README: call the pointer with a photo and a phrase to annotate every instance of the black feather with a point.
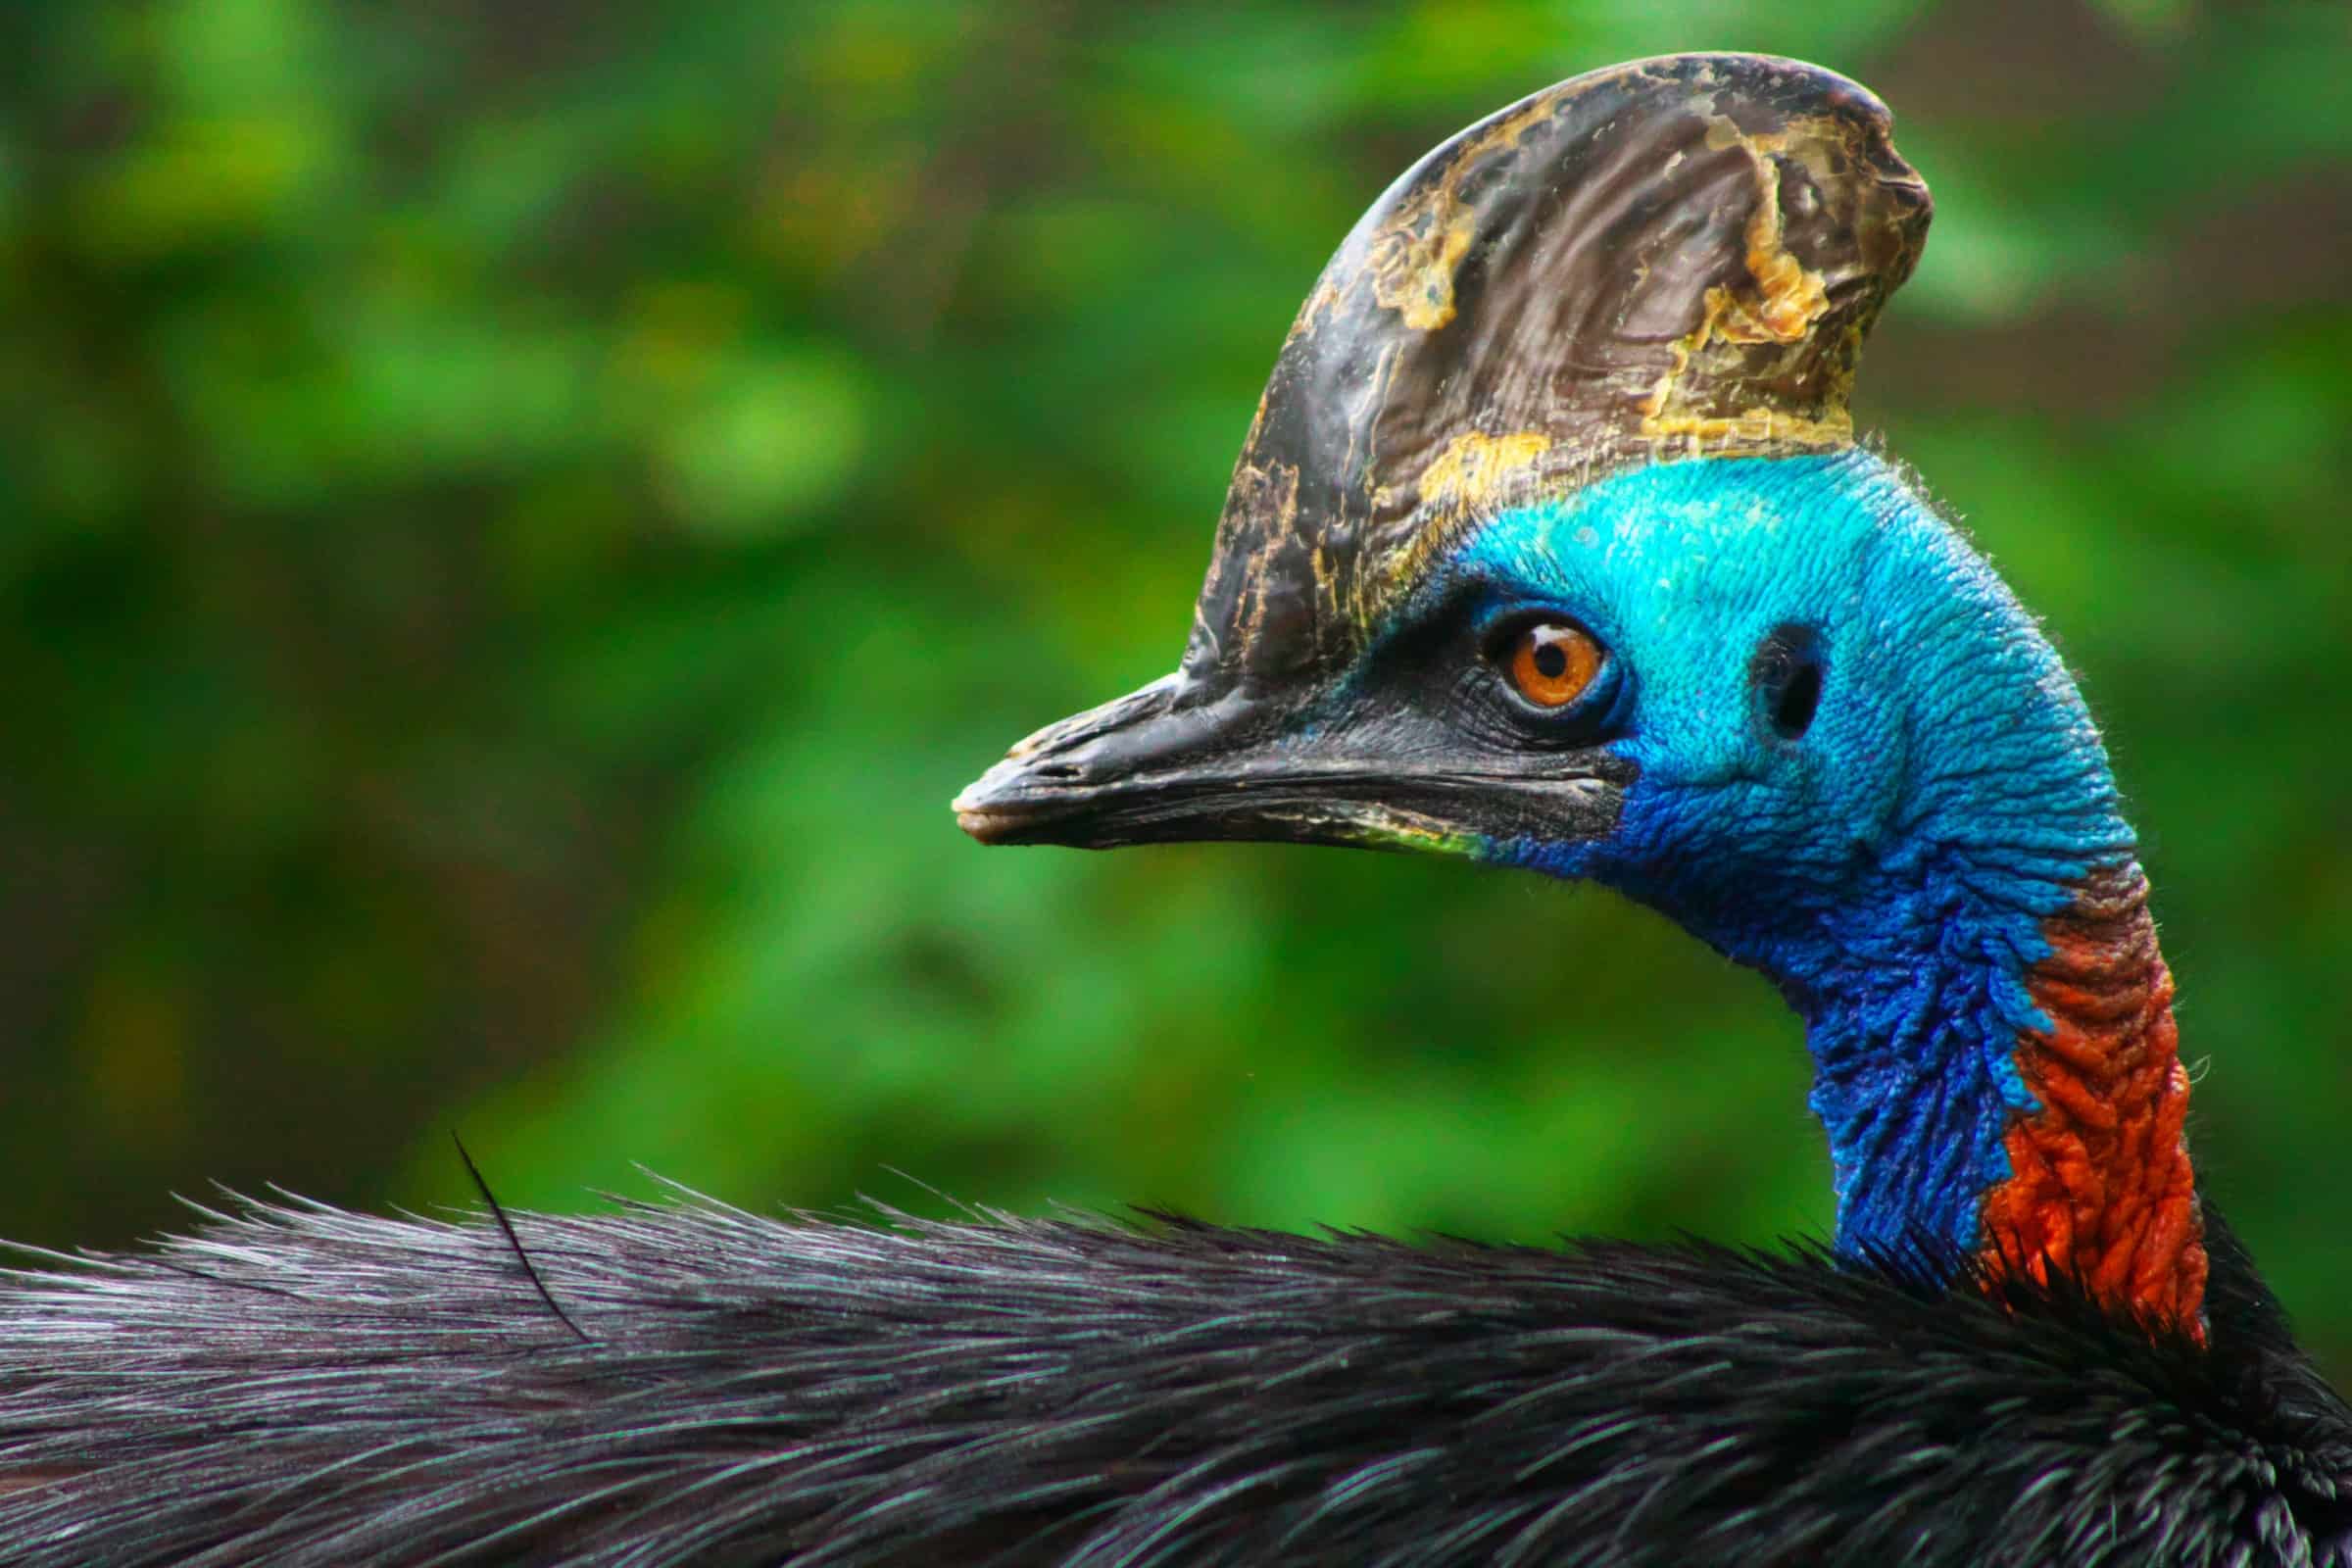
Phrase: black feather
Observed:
(505, 1227)
(299, 1386)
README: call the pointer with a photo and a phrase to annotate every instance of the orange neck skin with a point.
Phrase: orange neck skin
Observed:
(2101, 1186)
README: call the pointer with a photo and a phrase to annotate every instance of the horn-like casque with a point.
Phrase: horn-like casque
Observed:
(1670, 258)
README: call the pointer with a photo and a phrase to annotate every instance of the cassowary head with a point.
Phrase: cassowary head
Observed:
(1551, 545)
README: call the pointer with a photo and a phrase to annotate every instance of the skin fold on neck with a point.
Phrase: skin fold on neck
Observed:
(2026, 1106)
(2102, 1186)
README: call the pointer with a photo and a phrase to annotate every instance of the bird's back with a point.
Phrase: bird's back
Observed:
(311, 1387)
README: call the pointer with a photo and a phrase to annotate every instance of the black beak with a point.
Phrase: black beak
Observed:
(1152, 767)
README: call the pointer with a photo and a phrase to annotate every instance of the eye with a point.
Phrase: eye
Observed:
(1787, 674)
(1549, 663)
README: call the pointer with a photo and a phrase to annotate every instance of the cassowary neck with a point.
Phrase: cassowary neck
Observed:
(2012, 1093)
(1937, 874)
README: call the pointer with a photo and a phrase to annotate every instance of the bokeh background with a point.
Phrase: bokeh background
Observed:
(517, 517)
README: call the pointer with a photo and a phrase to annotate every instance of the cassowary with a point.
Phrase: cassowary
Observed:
(1551, 545)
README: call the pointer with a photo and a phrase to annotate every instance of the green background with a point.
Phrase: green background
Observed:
(519, 515)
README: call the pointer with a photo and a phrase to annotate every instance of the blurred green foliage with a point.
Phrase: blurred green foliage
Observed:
(519, 516)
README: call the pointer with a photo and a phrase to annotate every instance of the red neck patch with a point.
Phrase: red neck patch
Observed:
(2102, 1188)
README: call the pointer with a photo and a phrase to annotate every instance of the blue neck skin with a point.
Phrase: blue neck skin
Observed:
(1892, 868)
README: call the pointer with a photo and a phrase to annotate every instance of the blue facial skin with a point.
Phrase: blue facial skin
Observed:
(1892, 866)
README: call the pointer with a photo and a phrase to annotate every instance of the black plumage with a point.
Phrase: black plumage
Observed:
(299, 1386)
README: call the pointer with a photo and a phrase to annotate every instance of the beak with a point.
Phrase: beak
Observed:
(1152, 767)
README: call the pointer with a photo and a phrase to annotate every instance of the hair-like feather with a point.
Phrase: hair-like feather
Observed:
(294, 1386)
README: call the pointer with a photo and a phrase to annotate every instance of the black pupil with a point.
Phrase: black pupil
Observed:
(1787, 674)
(1552, 661)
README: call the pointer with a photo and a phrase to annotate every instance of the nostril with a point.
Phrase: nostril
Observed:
(1793, 714)
(1058, 773)
(1787, 672)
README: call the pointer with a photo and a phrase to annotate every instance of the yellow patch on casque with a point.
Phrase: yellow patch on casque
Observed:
(1460, 482)
(1787, 300)
(1412, 260)
(1418, 282)
(1475, 464)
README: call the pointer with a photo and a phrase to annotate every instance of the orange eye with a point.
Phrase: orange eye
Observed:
(1551, 663)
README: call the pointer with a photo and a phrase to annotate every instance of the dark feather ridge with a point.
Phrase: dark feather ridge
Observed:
(294, 1385)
